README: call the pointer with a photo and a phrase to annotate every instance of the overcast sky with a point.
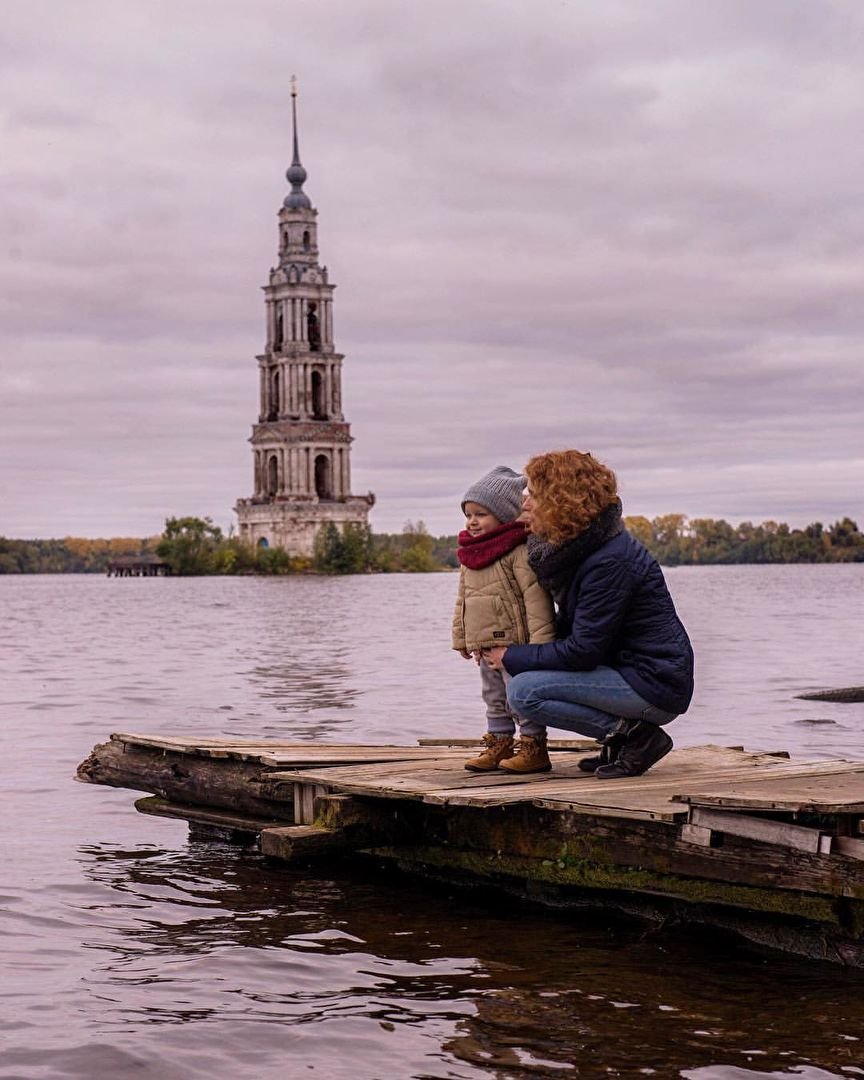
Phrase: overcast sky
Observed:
(634, 228)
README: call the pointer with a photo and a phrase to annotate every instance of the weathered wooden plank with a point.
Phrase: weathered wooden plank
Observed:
(445, 782)
(304, 802)
(552, 744)
(282, 754)
(312, 756)
(648, 806)
(293, 842)
(847, 845)
(787, 790)
(224, 784)
(589, 791)
(420, 778)
(696, 834)
(779, 833)
(200, 815)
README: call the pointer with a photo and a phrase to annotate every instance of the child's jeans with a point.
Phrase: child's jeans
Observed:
(500, 718)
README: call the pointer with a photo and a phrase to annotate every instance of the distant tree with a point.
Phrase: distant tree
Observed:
(641, 528)
(190, 545)
(417, 548)
(345, 551)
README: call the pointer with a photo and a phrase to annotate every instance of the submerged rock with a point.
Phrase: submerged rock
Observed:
(849, 693)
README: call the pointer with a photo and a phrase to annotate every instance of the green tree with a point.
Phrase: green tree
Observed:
(190, 545)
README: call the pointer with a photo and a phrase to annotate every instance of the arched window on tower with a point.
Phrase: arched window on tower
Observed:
(306, 240)
(319, 404)
(323, 482)
(278, 328)
(272, 475)
(273, 410)
(313, 332)
(263, 542)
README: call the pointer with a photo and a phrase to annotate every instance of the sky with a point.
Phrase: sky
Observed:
(629, 227)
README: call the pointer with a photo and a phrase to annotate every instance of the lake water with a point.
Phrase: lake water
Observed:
(127, 950)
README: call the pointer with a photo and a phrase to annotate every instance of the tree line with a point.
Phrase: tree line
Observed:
(192, 545)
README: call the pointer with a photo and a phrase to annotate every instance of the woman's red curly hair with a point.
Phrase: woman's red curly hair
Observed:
(569, 490)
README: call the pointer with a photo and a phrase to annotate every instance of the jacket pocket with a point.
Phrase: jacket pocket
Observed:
(488, 622)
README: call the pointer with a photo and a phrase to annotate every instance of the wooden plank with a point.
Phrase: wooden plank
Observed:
(304, 802)
(829, 789)
(200, 815)
(281, 754)
(848, 846)
(648, 804)
(667, 780)
(293, 842)
(440, 783)
(779, 833)
(377, 778)
(552, 744)
(413, 779)
(311, 756)
(696, 834)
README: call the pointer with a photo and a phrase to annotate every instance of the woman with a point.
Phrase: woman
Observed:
(621, 665)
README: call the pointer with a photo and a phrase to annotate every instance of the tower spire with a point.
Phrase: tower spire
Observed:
(296, 174)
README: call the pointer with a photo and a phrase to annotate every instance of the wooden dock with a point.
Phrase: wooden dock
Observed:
(753, 842)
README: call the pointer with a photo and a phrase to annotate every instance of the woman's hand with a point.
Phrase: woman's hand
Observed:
(494, 657)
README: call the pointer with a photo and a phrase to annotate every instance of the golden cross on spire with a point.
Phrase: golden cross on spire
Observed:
(294, 86)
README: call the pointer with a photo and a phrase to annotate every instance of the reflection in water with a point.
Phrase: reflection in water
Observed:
(511, 991)
(190, 962)
(304, 685)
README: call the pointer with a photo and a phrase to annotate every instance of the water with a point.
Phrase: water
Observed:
(128, 950)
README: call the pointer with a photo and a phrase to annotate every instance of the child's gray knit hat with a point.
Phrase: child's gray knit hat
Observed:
(500, 491)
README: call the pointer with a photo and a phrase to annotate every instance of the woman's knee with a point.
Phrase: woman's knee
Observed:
(521, 694)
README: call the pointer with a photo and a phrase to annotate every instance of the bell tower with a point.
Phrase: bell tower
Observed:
(301, 445)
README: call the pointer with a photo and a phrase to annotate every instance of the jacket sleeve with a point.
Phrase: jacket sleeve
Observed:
(458, 631)
(538, 603)
(604, 597)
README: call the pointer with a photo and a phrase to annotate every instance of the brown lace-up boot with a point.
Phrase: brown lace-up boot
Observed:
(496, 748)
(531, 756)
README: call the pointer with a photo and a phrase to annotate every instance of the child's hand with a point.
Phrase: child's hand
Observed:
(478, 656)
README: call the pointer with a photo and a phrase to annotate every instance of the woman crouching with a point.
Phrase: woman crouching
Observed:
(621, 665)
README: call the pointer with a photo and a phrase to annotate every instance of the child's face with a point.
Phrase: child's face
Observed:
(478, 519)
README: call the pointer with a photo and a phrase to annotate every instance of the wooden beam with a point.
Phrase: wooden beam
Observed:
(200, 815)
(846, 845)
(780, 833)
(696, 834)
(304, 802)
(293, 842)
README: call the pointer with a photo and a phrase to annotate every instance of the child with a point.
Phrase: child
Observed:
(500, 603)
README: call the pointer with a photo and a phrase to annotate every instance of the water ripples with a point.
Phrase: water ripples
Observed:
(180, 960)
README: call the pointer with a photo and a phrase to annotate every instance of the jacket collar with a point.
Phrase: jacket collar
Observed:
(555, 564)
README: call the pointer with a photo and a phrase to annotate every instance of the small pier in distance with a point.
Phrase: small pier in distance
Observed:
(138, 566)
(749, 841)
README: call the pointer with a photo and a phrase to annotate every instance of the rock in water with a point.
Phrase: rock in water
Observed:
(849, 693)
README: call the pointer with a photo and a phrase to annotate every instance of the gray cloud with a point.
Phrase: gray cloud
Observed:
(631, 228)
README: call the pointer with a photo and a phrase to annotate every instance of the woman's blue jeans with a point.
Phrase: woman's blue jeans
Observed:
(588, 702)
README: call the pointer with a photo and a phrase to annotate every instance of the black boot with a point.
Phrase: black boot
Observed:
(609, 748)
(642, 745)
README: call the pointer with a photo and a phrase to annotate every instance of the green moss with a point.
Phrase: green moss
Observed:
(584, 873)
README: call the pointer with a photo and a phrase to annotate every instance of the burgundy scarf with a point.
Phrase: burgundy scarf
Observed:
(475, 552)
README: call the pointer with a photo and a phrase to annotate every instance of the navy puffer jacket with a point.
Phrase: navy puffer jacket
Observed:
(617, 612)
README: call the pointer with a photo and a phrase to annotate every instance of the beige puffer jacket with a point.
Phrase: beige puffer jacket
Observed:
(502, 604)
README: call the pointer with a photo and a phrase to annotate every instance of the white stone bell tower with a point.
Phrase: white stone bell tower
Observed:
(301, 444)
